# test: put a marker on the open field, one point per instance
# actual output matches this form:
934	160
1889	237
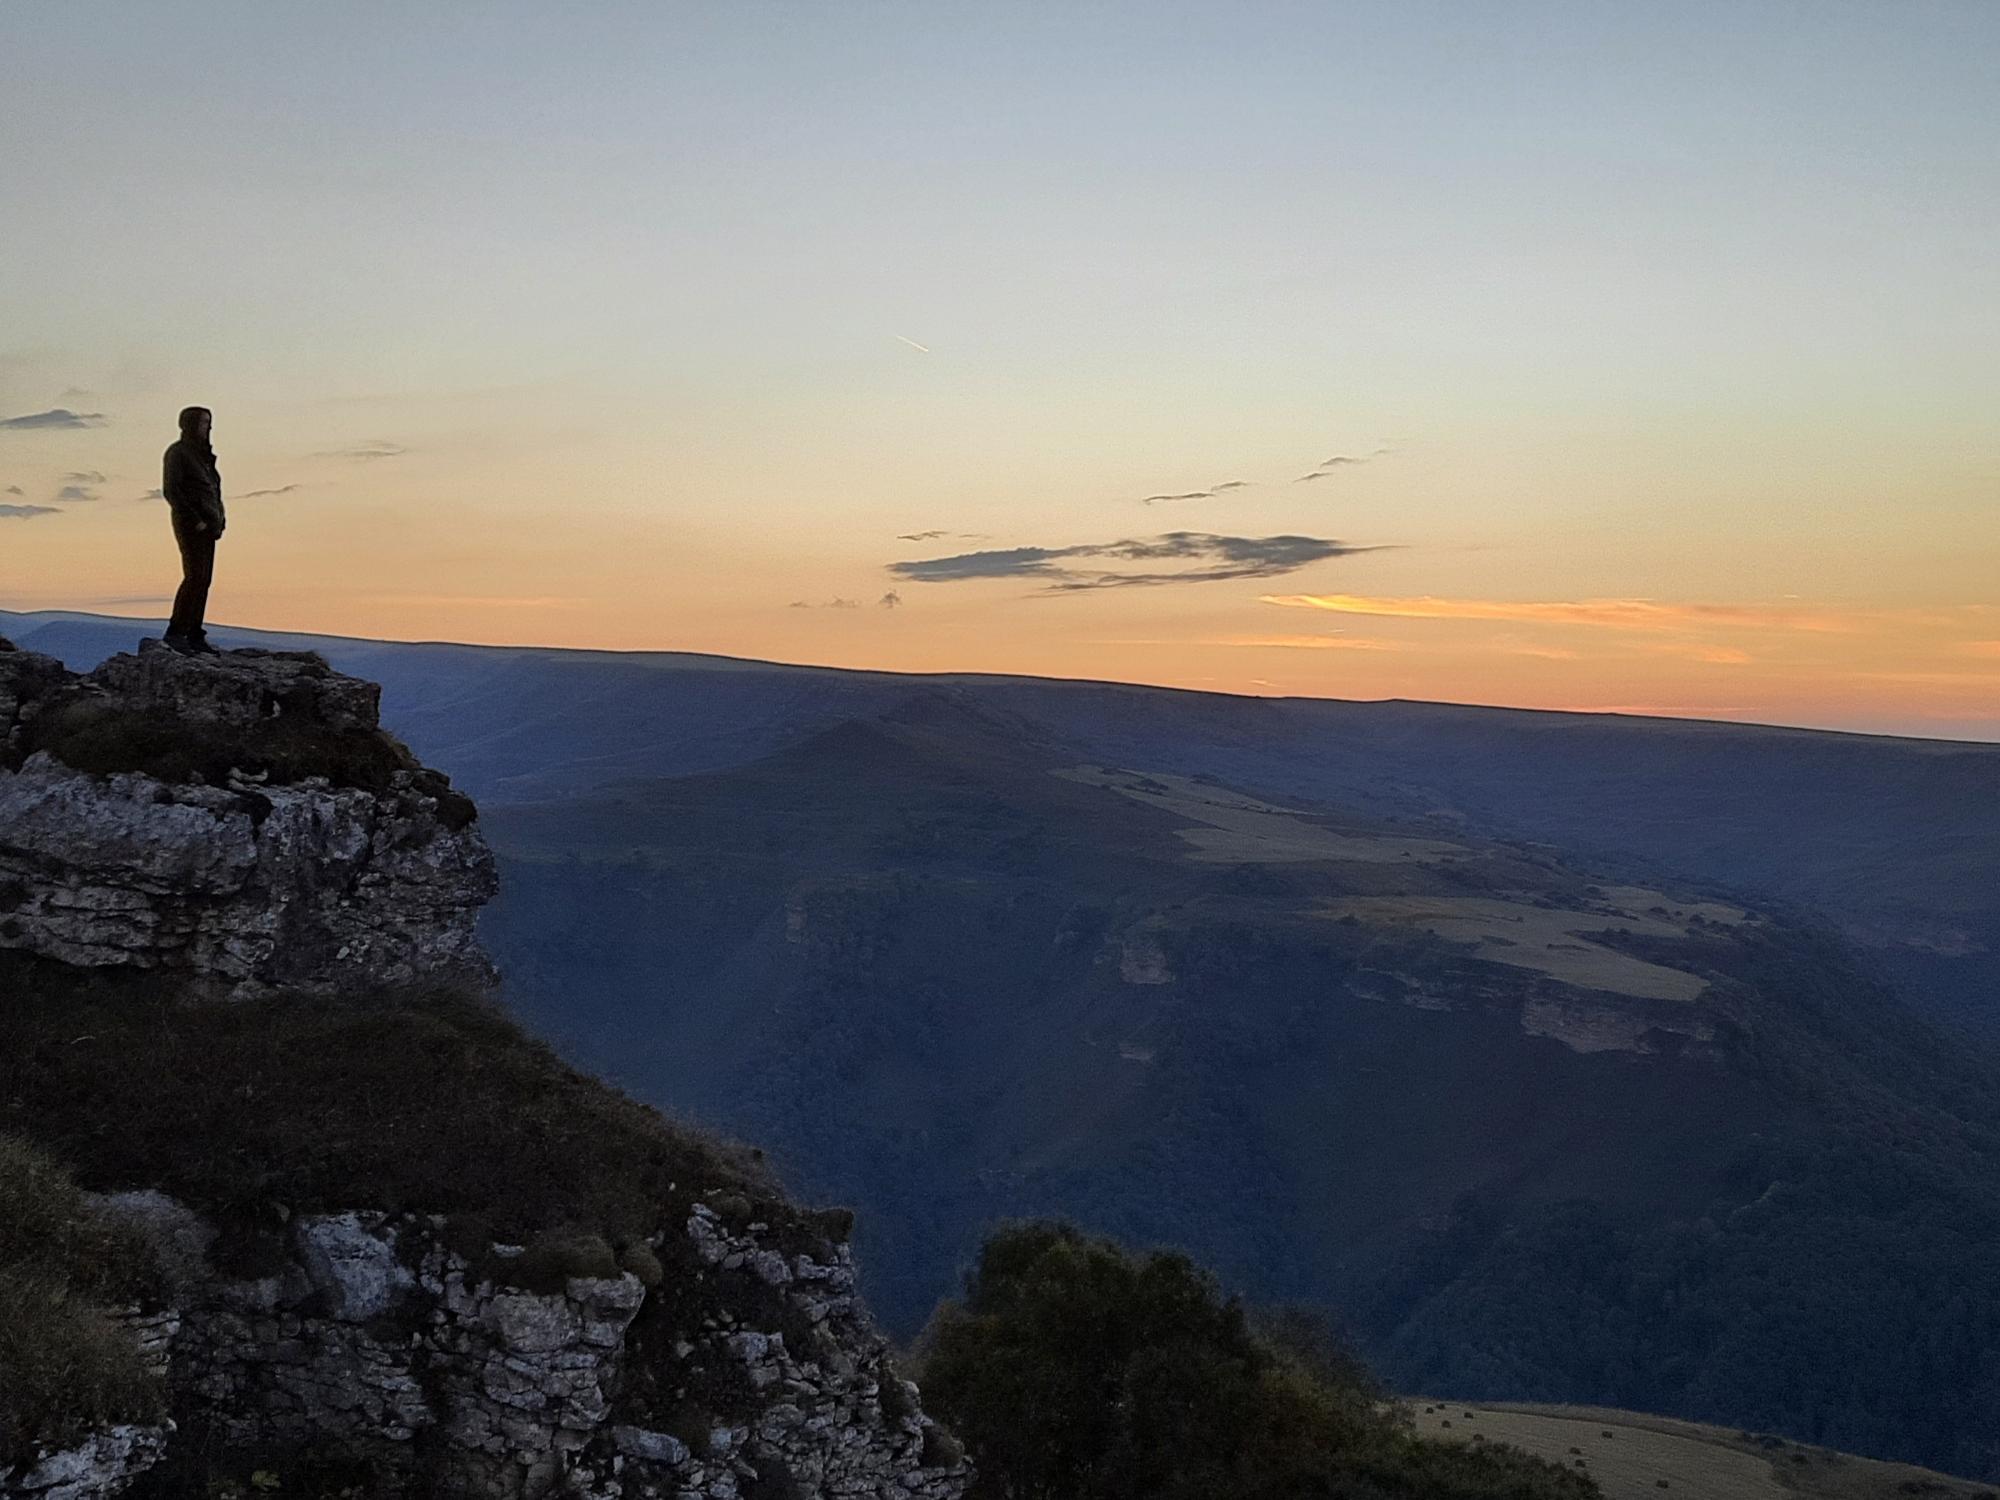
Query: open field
1638	900
1634	1456
1243	830
1552	940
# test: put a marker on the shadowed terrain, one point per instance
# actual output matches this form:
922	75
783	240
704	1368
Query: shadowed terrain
1568	1058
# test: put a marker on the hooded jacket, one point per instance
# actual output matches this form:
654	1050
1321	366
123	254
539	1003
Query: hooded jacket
192	483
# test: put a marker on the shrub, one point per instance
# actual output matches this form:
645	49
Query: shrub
638	1258
551	1261
1075	1370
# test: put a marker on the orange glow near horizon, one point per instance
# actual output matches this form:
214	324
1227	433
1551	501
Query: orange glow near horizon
662	333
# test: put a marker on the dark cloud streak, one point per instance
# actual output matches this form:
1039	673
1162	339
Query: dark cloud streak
1207	494
55	416
366	451
1215	559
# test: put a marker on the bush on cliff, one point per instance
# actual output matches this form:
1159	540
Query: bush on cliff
1075	1370
65	1366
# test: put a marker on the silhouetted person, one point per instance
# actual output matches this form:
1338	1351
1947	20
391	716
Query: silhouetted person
193	487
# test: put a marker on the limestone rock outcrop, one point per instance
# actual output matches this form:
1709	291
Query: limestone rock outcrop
370	1339
101	1465
239	818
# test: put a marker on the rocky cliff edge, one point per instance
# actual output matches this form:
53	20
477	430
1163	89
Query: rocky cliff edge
386	1237
239	819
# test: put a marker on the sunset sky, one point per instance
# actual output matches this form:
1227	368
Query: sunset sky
1596	356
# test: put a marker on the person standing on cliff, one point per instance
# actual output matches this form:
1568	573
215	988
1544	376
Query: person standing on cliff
193	488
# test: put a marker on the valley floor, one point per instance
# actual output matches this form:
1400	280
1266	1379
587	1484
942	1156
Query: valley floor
1636	1456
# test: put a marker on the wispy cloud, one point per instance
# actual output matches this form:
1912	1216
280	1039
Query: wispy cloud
153	495
77	492
1208	559
283	489
1337	462
1605	614
14	489
932	536
56	416
83	476
1208	494
890	600
26	512
365	451
825	604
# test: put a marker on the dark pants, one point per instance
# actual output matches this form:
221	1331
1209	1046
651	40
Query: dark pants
197	572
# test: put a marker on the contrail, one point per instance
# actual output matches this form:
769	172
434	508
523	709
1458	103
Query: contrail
912	343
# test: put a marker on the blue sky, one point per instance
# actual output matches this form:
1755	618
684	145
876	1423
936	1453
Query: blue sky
1690	304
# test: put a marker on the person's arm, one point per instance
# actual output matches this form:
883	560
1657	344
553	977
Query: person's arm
173	482
190	494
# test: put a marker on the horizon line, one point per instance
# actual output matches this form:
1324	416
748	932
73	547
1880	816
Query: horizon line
1643	715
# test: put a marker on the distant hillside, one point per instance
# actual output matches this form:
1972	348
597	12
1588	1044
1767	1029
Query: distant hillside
1571	1058
1539	1132
1895	841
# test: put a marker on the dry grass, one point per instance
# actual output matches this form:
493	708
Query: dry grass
1241	830
431	1103
1639	901
1708	1463
1550	940
65	1365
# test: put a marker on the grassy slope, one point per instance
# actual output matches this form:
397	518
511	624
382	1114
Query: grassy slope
1629	1453
426	1103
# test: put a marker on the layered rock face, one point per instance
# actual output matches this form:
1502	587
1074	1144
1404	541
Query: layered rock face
372	1340
239	818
